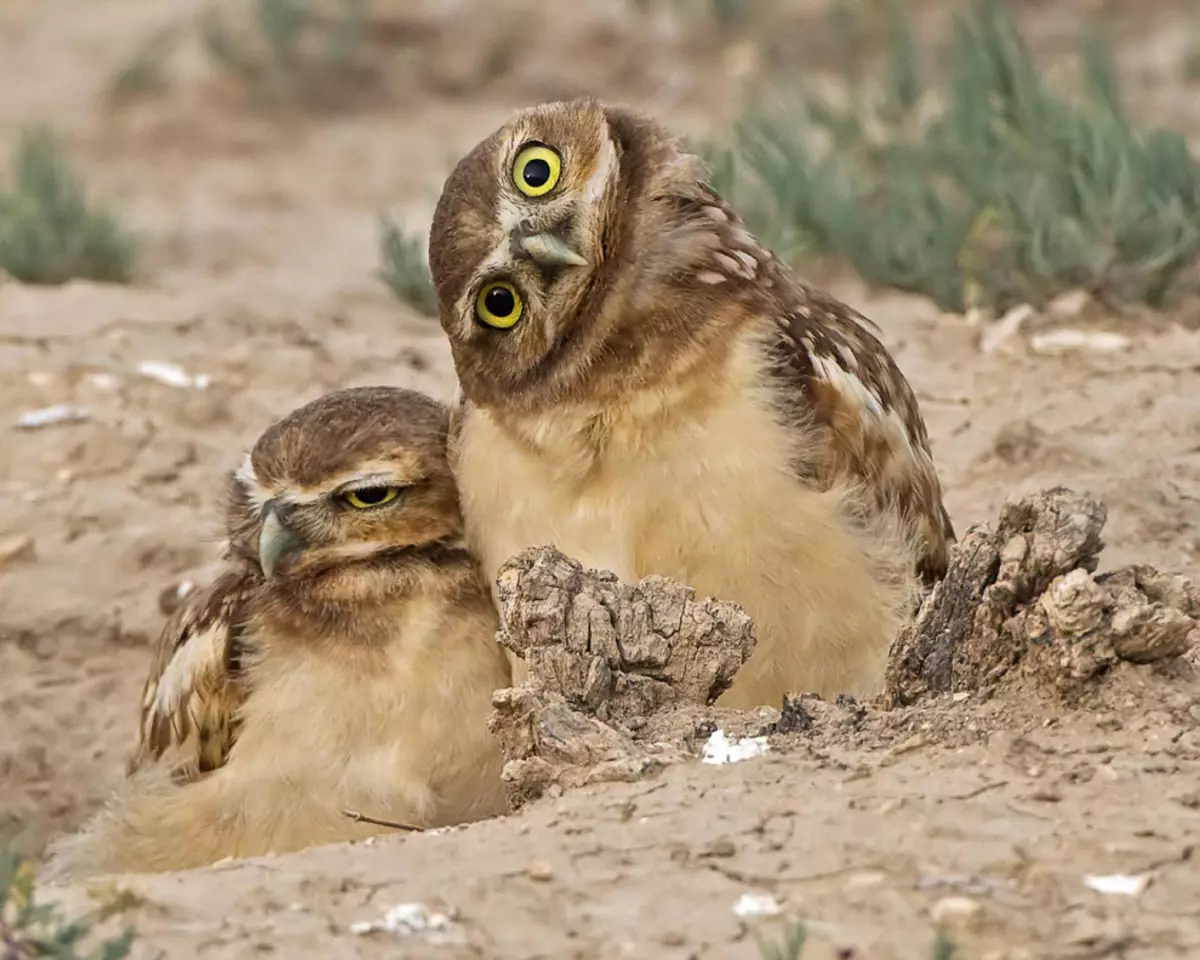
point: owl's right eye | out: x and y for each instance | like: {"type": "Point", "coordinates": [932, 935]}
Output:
{"type": "Point", "coordinates": [498, 305]}
{"type": "Point", "coordinates": [536, 170]}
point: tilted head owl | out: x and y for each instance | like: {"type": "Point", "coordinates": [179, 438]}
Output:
{"type": "Point", "coordinates": [563, 249]}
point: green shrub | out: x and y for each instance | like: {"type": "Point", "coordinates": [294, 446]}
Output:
{"type": "Point", "coordinates": [983, 187]}
{"type": "Point", "coordinates": [790, 947]}
{"type": "Point", "coordinates": [296, 50]}
{"type": "Point", "coordinates": [49, 232]}
{"type": "Point", "coordinates": [405, 268]}
{"type": "Point", "coordinates": [29, 929]}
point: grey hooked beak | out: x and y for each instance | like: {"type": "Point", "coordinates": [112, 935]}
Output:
{"type": "Point", "coordinates": [276, 541]}
{"type": "Point", "coordinates": [549, 250]}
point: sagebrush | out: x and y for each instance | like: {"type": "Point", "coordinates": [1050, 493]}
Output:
{"type": "Point", "coordinates": [405, 268]}
{"type": "Point", "coordinates": [292, 50]}
{"type": "Point", "coordinates": [979, 185]}
{"type": "Point", "coordinates": [29, 929]}
{"type": "Point", "coordinates": [49, 230]}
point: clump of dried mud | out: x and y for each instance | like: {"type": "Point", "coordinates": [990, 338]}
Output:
{"type": "Point", "coordinates": [622, 678]}
{"type": "Point", "coordinates": [1023, 602]}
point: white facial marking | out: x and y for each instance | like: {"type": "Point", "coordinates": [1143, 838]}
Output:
{"type": "Point", "coordinates": [604, 173]}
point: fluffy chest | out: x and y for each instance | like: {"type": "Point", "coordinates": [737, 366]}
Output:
{"type": "Point", "coordinates": [647, 489]}
{"type": "Point", "coordinates": [316, 707]}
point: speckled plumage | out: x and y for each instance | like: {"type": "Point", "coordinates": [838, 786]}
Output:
{"type": "Point", "coordinates": [343, 659]}
{"type": "Point", "coordinates": [682, 346]}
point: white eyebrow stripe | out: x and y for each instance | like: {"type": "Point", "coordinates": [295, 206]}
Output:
{"type": "Point", "coordinates": [605, 171]}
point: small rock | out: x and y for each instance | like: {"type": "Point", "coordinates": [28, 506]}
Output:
{"type": "Point", "coordinates": [720, 848]}
{"type": "Point", "coordinates": [915, 742]}
{"type": "Point", "coordinates": [18, 547]}
{"type": "Point", "coordinates": [1046, 795]}
{"type": "Point", "coordinates": [540, 871]}
{"type": "Point", "coordinates": [958, 912]}
{"type": "Point", "coordinates": [1067, 306]}
{"type": "Point", "coordinates": [1005, 330]}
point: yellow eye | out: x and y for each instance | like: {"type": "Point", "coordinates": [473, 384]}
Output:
{"type": "Point", "coordinates": [499, 305]}
{"type": "Point", "coordinates": [366, 497]}
{"type": "Point", "coordinates": [537, 170]}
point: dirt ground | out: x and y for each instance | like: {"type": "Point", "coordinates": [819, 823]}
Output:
{"type": "Point", "coordinates": [260, 241]}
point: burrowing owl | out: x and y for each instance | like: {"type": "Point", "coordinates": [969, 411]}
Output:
{"type": "Point", "coordinates": [344, 660]}
{"type": "Point", "coordinates": [649, 389]}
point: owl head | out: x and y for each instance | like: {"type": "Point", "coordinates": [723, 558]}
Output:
{"type": "Point", "coordinates": [343, 497]}
{"type": "Point", "coordinates": [564, 248]}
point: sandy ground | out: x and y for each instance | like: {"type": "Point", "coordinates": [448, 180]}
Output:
{"type": "Point", "coordinates": [260, 248]}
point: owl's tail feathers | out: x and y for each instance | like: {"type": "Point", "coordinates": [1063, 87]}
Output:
{"type": "Point", "coordinates": [150, 824]}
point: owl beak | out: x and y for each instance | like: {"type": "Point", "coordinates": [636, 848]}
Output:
{"type": "Point", "coordinates": [550, 251]}
{"type": "Point", "coordinates": [277, 542]}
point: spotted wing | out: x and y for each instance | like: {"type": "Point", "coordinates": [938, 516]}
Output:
{"type": "Point", "coordinates": [195, 686]}
{"type": "Point", "coordinates": [833, 374]}
{"type": "Point", "coordinates": [843, 382]}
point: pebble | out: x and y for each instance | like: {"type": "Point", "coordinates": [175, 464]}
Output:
{"type": "Point", "coordinates": [956, 911]}
{"type": "Point", "coordinates": [540, 871]}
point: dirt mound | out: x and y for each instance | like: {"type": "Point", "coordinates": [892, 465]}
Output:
{"type": "Point", "coordinates": [1023, 602]}
{"type": "Point", "coordinates": [622, 678]}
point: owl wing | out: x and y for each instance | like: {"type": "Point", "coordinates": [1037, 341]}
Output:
{"type": "Point", "coordinates": [835, 376]}
{"type": "Point", "coordinates": [195, 686]}
{"type": "Point", "coordinates": [838, 378]}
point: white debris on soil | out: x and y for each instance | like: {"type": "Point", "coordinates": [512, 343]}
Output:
{"type": "Point", "coordinates": [409, 919]}
{"type": "Point", "coordinates": [173, 375]}
{"type": "Point", "coordinates": [956, 912]}
{"type": "Point", "coordinates": [1005, 330]}
{"type": "Point", "coordinates": [1119, 884]}
{"type": "Point", "coordinates": [751, 905]}
{"type": "Point", "coordinates": [104, 382]}
{"type": "Point", "coordinates": [50, 416]}
{"type": "Point", "coordinates": [1067, 339]}
{"type": "Point", "coordinates": [720, 749]}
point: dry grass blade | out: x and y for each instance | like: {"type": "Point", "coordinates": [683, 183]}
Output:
{"type": "Point", "coordinates": [358, 817]}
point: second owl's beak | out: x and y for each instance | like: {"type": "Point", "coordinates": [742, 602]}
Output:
{"type": "Point", "coordinates": [549, 250]}
{"type": "Point", "coordinates": [276, 541]}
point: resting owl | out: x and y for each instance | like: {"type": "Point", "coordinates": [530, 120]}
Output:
{"type": "Point", "coordinates": [645, 386]}
{"type": "Point", "coordinates": [344, 660]}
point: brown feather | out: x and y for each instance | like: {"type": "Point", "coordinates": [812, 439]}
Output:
{"type": "Point", "coordinates": [835, 376]}
{"type": "Point", "coordinates": [194, 687]}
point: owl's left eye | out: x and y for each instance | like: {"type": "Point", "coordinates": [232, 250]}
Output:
{"type": "Point", "coordinates": [498, 305]}
{"type": "Point", "coordinates": [366, 497]}
{"type": "Point", "coordinates": [536, 170]}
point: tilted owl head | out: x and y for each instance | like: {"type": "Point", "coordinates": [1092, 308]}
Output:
{"type": "Point", "coordinates": [565, 249]}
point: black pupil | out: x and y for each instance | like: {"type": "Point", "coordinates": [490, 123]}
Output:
{"type": "Point", "coordinates": [536, 173]}
{"type": "Point", "coordinates": [500, 302]}
{"type": "Point", "coordinates": [372, 494]}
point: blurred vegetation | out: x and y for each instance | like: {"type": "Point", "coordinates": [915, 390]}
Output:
{"type": "Point", "coordinates": [29, 929]}
{"type": "Point", "coordinates": [146, 70]}
{"type": "Point", "coordinates": [405, 268]}
{"type": "Point", "coordinates": [292, 50]}
{"type": "Point", "coordinates": [977, 185]}
{"type": "Point", "coordinates": [789, 947]}
{"type": "Point", "coordinates": [49, 231]}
